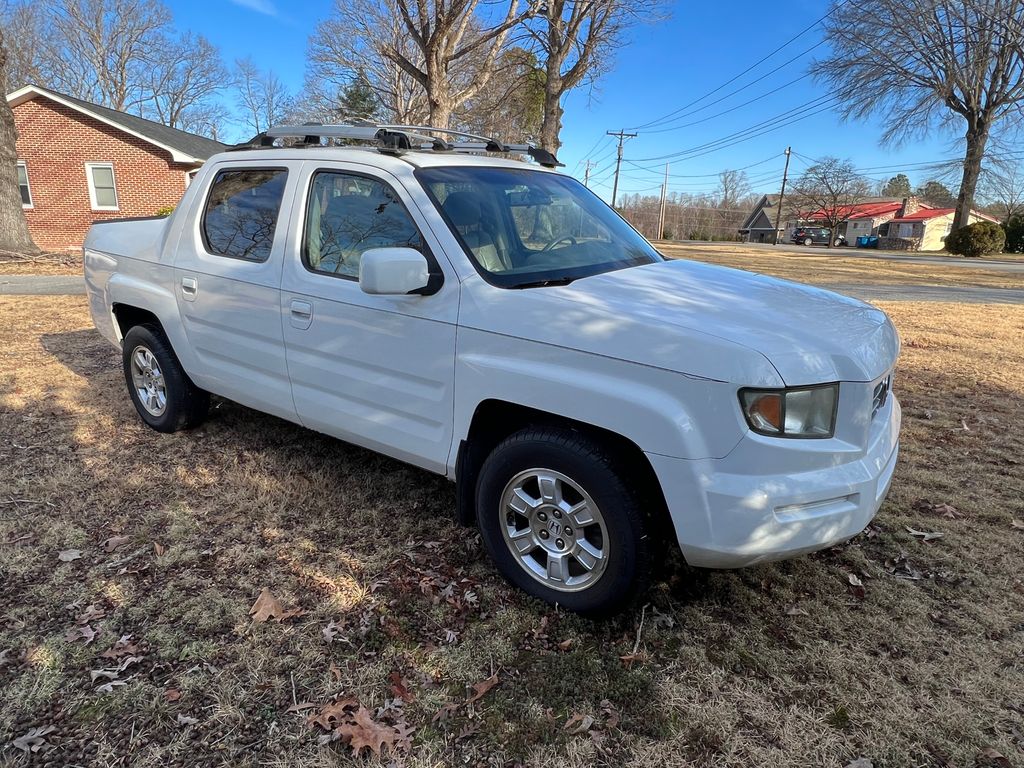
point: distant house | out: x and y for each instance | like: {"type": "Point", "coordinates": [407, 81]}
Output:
{"type": "Point", "coordinates": [759, 226]}
{"type": "Point", "coordinates": [924, 229]}
{"type": "Point", "coordinates": [79, 162]}
{"type": "Point", "coordinates": [866, 218]}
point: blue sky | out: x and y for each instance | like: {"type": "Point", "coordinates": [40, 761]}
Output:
{"type": "Point", "coordinates": [659, 69]}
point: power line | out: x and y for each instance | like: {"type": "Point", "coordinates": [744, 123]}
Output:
{"type": "Point", "coordinates": [756, 64]}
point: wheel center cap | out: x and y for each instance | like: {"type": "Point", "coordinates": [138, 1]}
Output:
{"type": "Point", "coordinates": [554, 527]}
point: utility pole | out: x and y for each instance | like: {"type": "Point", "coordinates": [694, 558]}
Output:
{"type": "Point", "coordinates": [586, 172]}
{"type": "Point", "coordinates": [661, 210]}
{"type": "Point", "coordinates": [782, 196]}
{"type": "Point", "coordinates": [622, 135]}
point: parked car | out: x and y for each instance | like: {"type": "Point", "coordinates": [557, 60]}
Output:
{"type": "Point", "coordinates": [497, 323]}
{"type": "Point", "coordinates": [816, 236]}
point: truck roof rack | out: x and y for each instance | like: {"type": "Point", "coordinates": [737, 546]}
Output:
{"type": "Point", "coordinates": [395, 139]}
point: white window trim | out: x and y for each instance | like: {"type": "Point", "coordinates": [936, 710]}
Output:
{"type": "Point", "coordinates": [28, 183]}
{"type": "Point", "coordinates": [92, 187]}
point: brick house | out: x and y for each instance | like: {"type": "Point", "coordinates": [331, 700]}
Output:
{"type": "Point", "coordinates": [79, 162]}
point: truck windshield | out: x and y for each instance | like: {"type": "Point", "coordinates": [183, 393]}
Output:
{"type": "Point", "coordinates": [525, 228]}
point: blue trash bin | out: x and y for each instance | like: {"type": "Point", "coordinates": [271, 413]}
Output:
{"type": "Point", "coordinates": [862, 241]}
{"type": "Point", "coordinates": [872, 241]}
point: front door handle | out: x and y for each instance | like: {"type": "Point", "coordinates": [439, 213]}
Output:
{"type": "Point", "coordinates": [189, 288]}
{"type": "Point", "coordinates": [301, 314]}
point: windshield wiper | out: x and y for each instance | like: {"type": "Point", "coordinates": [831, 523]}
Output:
{"type": "Point", "coordinates": [544, 283]}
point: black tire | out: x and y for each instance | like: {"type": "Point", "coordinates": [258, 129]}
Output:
{"type": "Point", "coordinates": [593, 468]}
{"type": "Point", "coordinates": [186, 404]}
{"type": "Point", "coordinates": [808, 242]}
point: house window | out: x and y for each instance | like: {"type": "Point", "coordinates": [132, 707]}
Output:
{"type": "Point", "coordinates": [906, 230]}
{"type": "Point", "coordinates": [102, 190]}
{"type": "Point", "coordinates": [26, 192]}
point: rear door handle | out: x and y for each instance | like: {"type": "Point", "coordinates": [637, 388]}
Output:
{"type": "Point", "coordinates": [189, 288]}
{"type": "Point", "coordinates": [301, 314]}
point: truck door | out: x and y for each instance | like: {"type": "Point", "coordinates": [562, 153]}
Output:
{"type": "Point", "coordinates": [227, 274]}
{"type": "Point", "coordinates": [373, 370]}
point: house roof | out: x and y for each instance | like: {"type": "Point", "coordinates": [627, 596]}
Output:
{"type": "Point", "coordinates": [866, 210]}
{"type": "Point", "coordinates": [184, 147]}
{"type": "Point", "coordinates": [768, 204]}
{"type": "Point", "coordinates": [925, 214]}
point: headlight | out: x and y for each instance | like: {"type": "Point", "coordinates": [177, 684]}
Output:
{"type": "Point", "coordinates": [796, 412]}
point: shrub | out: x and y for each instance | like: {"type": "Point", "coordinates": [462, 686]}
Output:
{"type": "Point", "coordinates": [977, 239]}
{"type": "Point", "coordinates": [1014, 229]}
{"type": "Point", "coordinates": [166, 211]}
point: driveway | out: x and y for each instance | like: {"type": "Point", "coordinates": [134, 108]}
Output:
{"type": "Point", "coordinates": [42, 285]}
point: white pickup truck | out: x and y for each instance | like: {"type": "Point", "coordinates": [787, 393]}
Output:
{"type": "Point", "coordinates": [495, 322]}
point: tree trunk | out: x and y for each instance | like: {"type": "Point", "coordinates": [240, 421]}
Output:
{"type": "Point", "coordinates": [551, 125]}
{"type": "Point", "coordinates": [977, 137]}
{"type": "Point", "coordinates": [14, 235]}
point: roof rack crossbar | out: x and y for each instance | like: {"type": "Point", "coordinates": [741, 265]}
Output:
{"type": "Point", "coordinates": [397, 138]}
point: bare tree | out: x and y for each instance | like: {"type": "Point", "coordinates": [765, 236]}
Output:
{"type": "Point", "coordinates": [827, 190]}
{"type": "Point", "coordinates": [261, 97]}
{"type": "Point", "coordinates": [575, 40]}
{"type": "Point", "coordinates": [1003, 185]}
{"type": "Point", "coordinates": [23, 22]}
{"type": "Point", "coordinates": [14, 236]}
{"type": "Point", "coordinates": [922, 63]}
{"type": "Point", "coordinates": [427, 41]}
{"type": "Point", "coordinates": [187, 75]}
{"type": "Point", "coordinates": [733, 187]}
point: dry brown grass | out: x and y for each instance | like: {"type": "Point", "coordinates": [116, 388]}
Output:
{"type": "Point", "coordinates": [843, 266]}
{"type": "Point", "coordinates": [43, 264]}
{"type": "Point", "coordinates": [776, 665]}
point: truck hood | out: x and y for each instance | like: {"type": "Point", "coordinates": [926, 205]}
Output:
{"type": "Point", "coordinates": [709, 321]}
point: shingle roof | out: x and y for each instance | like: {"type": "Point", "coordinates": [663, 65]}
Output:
{"type": "Point", "coordinates": [925, 214]}
{"type": "Point", "coordinates": [188, 146]}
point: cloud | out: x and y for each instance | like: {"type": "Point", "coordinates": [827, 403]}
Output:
{"type": "Point", "coordinates": [265, 7]}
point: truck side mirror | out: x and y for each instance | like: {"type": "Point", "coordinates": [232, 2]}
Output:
{"type": "Point", "coordinates": [393, 271]}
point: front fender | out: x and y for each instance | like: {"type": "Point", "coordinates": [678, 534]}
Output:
{"type": "Point", "coordinates": [660, 411]}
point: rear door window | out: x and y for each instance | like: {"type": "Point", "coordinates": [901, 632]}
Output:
{"type": "Point", "coordinates": [242, 211]}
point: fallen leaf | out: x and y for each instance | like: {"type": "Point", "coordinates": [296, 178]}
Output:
{"type": "Point", "coordinates": [947, 510]}
{"type": "Point", "coordinates": [96, 674]}
{"type": "Point", "coordinates": [269, 607]}
{"type": "Point", "coordinates": [335, 672]}
{"type": "Point", "coordinates": [860, 762]}
{"type": "Point", "coordinates": [565, 645]}
{"type": "Point", "coordinates": [366, 733]}
{"type": "Point", "coordinates": [331, 631]}
{"type": "Point", "coordinates": [629, 659]}
{"type": "Point", "coordinates": [159, 549]}
{"type": "Point", "coordinates": [172, 694]}
{"type": "Point", "coordinates": [399, 688]}
{"type": "Point", "coordinates": [67, 555]}
{"type": "Point", "coordinates": [186, 720]}
{"type": "Point", "coordinates": [924, 535]}
{"type": "Point", "coordinates": [995, 757]}
{"type": "Point", "coordinates": [33, 740]}
{"type": "Point", "coordinates": [1019, 525]}
{"type": "Point", "coordinates": [446, 711]}
{"type": "Point", "coordinates": [796, 610]}
{"type": "Point", "coordinates": [331, 715]}
{"type": "Point", "coordinates": [611, 716]}
{"type": "Point", "coordinates": [481, 688]}
{"type": "Point", "coordinates": [108, 687]}
{"type": "Point", "coordinates": [302, 705]}
{"type": "Point", "coordinates": [114, 542]}
{"type": "Point", "coordinates": [92, 613]}
{"type": "Point", "coordinates": [123, 647]}
{"type": "Point", "coordinates": [856, 586]}
{"type": "Point", "coordinates": [86, 633]}
{"type": "Point", "coordinates": [578, 723]}
{"type": "Point", "coordinates": [403, 735]}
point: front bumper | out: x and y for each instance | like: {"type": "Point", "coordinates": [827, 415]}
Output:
{"type": "Point", "coordinates": [728, 515]}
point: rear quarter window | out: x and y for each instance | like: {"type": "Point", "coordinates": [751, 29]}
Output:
{"type": "Point", "coordinates": [241, 212]}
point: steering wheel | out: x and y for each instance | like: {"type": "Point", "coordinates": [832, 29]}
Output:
{"type": "Point", "coordinates": [553, 243]}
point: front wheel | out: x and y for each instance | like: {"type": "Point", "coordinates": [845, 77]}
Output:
{"type": "Point", "coordinates": [808, 241]}
{"type": "Point", "coordinates": [161, 391]}
{"type": "Point", "coordinates": [562, 522]}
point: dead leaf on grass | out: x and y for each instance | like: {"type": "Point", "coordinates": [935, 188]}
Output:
{"type": "Point", "coordinates": [860, 762]}
{"type": "Point", "coordinates": [856, 586]}
{"type": "Point", "coordinates": [34, 739]}
{"type": "Point", "coordinates": [186, 720]}
{"type": "Point", "coordinates": [109, 686]}
{"type": "Point", "coordinates": [796, 610]}
{"type": "Point", "coordinates": [159, 549]}
{"type": "Point", "coordinates": [331, 715]}
{"type": "Point", "coordinates": [995, 757]}
{"type": "Point", "coordinates": [565, 645]}
{"type": "Point", "coordinates": [268, 607]}
{"type": "Point", "coordinates": [1018, 524]}
{"type": "Point", "coordinates": [123, 647]}
{"type": "Point", "coordinates": [399, 688]}
{"type": "Point", "coordinates": [578, 724]}
{"type": "Point", "coordinates": [481, 688]}
{"type": "Point", "coordinates": [301, 706]}
{"type": "Point", "coordinates": [366, 733]}
{"type": "Point", "coordinates": [629, 659]}
{"type": "Point", "coordinates": [114, 542]}
{"type": "Point", "coordinates": [86, 633]}
{"type": "Point", "coordinates": [331, 631]}
{"type": "Point", "coordinates": [67, 555]}
{"type": "Point", "coordinates": [172, 694]}
{"type": "Point", "coordinates": [92, 613]}
{"type": "Point", "coordinates": [924, 535]}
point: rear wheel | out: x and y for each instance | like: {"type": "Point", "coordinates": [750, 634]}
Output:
{"type": "Point", "coordinates": [162, 392]}
{"type": "Point", "coordinates": [562, 522]}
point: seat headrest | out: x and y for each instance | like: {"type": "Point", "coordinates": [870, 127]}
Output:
{"type": "Point", "coordinates": [463, 209]}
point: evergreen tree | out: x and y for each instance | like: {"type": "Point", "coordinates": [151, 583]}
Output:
{"type": "Point", "coordinates": [357, 100]}
{"type": "Point", "coordinates": [897, 186]}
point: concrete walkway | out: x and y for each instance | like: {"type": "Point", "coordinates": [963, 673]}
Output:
{"type": "Point", "coordinates": [42, 285]}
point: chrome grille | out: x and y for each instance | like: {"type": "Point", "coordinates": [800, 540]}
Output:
{"type": "Point", "coordinates": [880, 395]}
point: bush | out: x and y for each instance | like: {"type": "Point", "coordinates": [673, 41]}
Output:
{"type": "Point", "coordinates": [1014, 229]}
{"type": "Point", "coordinates": [166, 211]}
{"type": "Point", "coordinates": [978, 239]}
